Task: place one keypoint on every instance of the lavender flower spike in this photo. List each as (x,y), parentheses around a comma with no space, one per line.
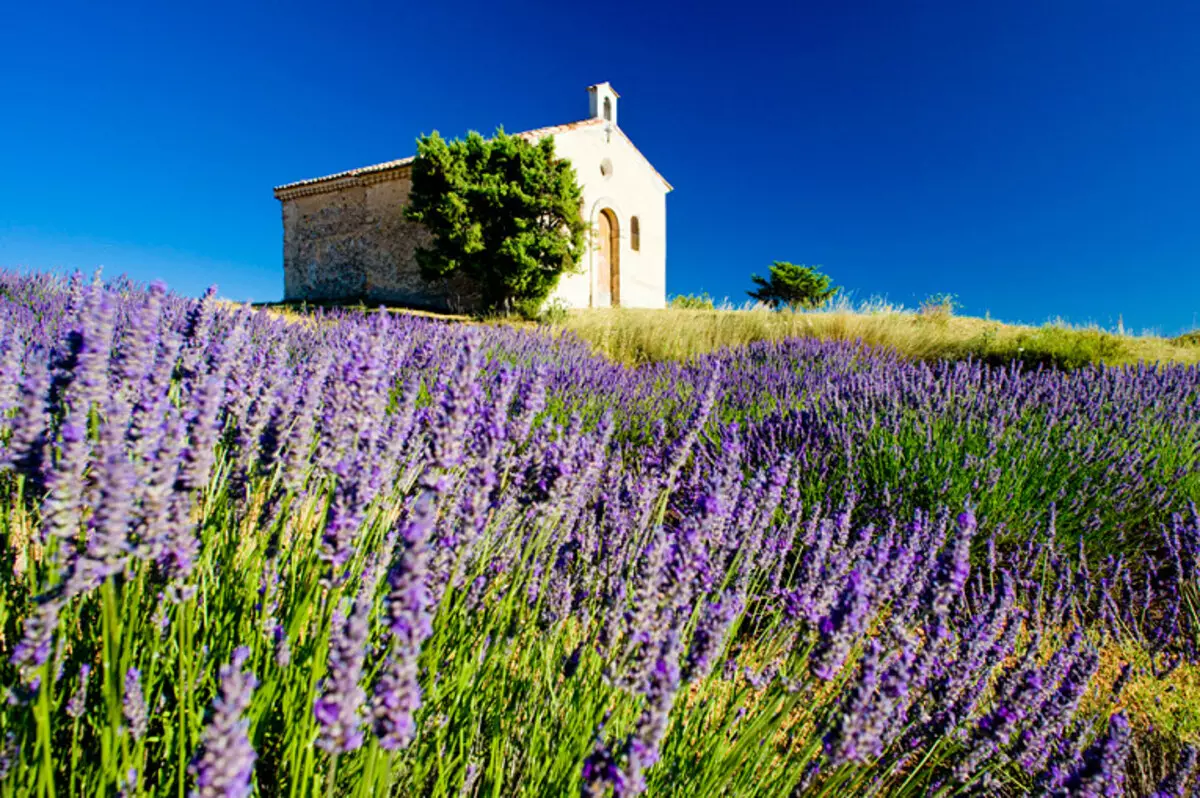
(339,707)
(398,693)
(841,627)
(225,763)
(601,770)
(955,566)
(1175,785)
(853,737)
(1102,772)
(34,648)
(77,704)
(134,705)
(709,637)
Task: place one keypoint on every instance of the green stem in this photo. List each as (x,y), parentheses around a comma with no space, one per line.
(74,756)
(46,774)
(184,691)
(109,740)
(331,783)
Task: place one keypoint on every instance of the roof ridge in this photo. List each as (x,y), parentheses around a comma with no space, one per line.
(398,163)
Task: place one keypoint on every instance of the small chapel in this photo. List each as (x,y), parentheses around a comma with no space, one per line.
(345,237)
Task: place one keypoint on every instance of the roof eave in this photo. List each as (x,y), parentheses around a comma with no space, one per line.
(365,176)
(649,165)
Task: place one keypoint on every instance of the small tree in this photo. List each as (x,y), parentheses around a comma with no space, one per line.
(792,285)
(693,302)
(504,212)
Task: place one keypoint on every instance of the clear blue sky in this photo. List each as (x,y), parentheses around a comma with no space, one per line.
(1037,159)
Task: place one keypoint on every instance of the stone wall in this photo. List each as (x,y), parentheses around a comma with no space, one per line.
(353,243)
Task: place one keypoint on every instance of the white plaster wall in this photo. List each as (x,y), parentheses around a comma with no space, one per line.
(633,189)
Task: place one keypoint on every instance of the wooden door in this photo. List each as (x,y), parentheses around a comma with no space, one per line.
(603,289)
(607,292)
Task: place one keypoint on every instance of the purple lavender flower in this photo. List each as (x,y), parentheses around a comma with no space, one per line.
(108,545)
(853,738)
(602,770)
(10,753)
(396,699)
(841,628)
(127,784)
(1056,711)
(338,708)
(77,704)
(679,450)
(12,352)
(1014,705)
(78,385)
(27,443)
(177,545)
(1102,771)
(456,396)
(954,566)
(642,749)
(709,637)
(1175,785)
(133,705)
(33,650)
(397,695)
(283,649)
(811,771)
(531,400)
(345,515)
(225,763)
(628,493)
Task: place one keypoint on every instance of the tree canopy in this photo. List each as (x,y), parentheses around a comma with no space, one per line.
(792,285)
(504,212)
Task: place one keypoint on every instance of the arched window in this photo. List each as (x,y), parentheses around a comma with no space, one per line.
(608,108)
(635,234)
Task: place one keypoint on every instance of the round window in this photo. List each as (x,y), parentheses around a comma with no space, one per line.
(606,167)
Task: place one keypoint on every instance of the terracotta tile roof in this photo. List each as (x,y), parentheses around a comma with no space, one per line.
(316,184)
(362,170)
(554,130)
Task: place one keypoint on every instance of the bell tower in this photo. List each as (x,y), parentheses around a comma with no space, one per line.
(602,102)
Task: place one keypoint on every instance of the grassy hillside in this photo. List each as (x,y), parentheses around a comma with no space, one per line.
(639,336)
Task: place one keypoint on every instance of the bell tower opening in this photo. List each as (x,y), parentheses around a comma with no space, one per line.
(602,102)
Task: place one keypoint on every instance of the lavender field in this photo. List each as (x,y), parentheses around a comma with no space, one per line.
(368,554)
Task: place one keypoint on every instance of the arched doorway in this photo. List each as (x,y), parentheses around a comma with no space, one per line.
(607,291)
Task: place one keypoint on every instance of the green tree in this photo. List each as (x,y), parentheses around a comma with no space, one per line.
(504,212)
(792,285)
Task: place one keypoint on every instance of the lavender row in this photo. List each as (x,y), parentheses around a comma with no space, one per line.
(402,541)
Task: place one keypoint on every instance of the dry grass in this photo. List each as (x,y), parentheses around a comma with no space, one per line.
(639,336)
(642,336)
